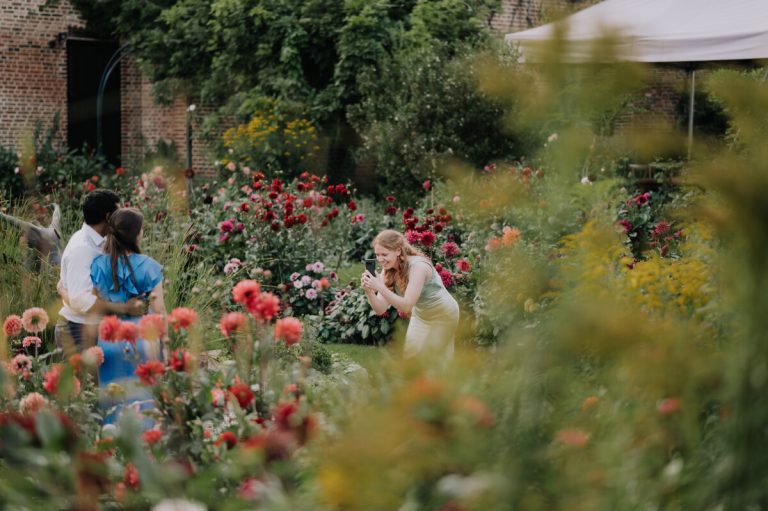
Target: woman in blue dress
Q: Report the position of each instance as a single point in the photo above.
(118, 275)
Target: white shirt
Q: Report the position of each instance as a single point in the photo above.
(75, 281)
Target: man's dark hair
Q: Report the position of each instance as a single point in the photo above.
(98, 204)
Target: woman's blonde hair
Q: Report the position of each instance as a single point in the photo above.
(393, 240)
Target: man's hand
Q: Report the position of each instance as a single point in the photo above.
(135, 307)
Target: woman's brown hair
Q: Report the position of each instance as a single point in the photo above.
(393, 240)
(123, 228)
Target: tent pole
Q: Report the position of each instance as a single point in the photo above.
(691, 97)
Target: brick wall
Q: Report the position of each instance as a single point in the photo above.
(33, 84)
(516, 15)
(33, 65)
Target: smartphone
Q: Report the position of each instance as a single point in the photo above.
(370, 265)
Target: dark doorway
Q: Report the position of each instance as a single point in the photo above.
(86, 61)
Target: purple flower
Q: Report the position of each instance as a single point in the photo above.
(311, 294)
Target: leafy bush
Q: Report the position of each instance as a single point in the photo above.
(45, 166)
(423, 109)
(274, 225)
(308, 292)
(272, 141)
(350, 319)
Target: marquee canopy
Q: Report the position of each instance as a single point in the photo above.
(659, 31)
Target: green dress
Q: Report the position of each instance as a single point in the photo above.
(434, 318)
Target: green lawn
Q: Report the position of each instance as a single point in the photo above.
(367, 356)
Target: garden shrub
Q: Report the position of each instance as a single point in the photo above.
(422, 110)
(45, 166)
(350, 319)
(272, 141)
(274, 225)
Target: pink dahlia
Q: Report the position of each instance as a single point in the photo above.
(289, 330)
(12, 325)
(34, 320)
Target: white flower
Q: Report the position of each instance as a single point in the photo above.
(306, 280)
(178, 505)
(552, 137)
(318, 267)
(297, 284)
(311, 294)
(585, 180)
(191, 108)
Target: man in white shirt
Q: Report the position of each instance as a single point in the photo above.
(79, 318)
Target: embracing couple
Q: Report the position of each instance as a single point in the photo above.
(103, 272)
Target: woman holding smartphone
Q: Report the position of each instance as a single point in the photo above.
(410, 283)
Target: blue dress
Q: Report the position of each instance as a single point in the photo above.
(121, 358)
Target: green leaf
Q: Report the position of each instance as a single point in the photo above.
(48, 428)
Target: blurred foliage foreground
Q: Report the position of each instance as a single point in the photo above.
(635, 383)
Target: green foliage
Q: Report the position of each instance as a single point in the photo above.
(44, 165)
(335, 60)
(422, 108)
(272, 140)
(350, 319)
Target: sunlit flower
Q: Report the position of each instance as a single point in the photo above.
(31, 340)
(242, 393)
(450, 249)
(178, 505)
(589, 402)
(149, 372)
(182, 317)
(31, 403)
(152, 327)
(108, 328)
(218, 397)
(668, 406)
(180, 360)
(232, 322)
(131, 477)
(152, 436)
(289, 330)
(476, 409)
(53, 378)
(572, 437)
(510, 236)
(228, 438)
(463, 265)
(232, 266)
(34, 320)
(246, 291)
(12, 325)
(20, 363)
(265, 307)
(127, 331)
(226, 226)
(93, 356)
